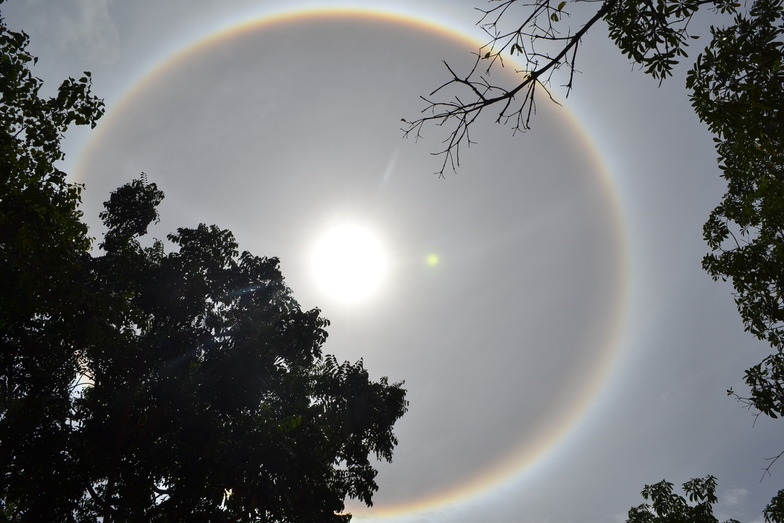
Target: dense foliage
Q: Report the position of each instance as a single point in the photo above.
(667, 507)
(43, 244)
(145, 385)
(205, 391)
(738, 90)
(696, 506)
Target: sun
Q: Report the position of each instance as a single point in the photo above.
(349, 262)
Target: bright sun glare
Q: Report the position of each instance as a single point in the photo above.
(349, 262)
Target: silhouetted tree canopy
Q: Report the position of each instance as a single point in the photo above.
(667, 507)
(43, 245)
(146, 384)
(696, 506)
(205, 390)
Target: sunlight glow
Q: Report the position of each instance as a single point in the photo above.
(349, 263)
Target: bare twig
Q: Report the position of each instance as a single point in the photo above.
(771, 461)
(481, 93)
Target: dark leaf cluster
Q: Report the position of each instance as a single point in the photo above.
(668, 507)
(654, 33)
(695, 506)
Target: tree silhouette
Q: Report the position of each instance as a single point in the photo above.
(205, 391)
(668, 507)
(42, 248)
(146, 385)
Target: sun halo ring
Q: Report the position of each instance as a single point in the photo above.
(526, 457)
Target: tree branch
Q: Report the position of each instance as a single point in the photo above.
(484, 94)
(101, 503)
(771, 461)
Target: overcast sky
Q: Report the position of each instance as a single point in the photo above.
(545, 304)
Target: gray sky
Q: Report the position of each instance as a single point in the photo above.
(565, 350)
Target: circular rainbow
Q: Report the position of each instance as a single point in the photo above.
(526, 456)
